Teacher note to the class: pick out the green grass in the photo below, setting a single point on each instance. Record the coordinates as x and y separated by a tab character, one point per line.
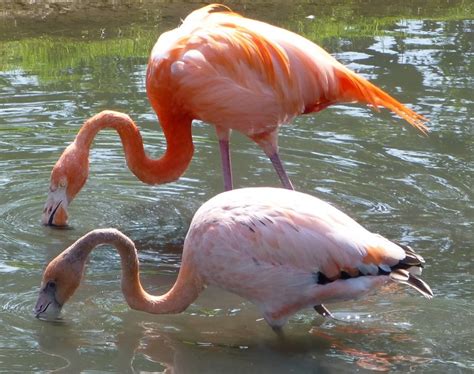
52	57
346	23
60	58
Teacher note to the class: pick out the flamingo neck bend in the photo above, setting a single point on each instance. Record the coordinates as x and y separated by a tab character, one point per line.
185	290
168	168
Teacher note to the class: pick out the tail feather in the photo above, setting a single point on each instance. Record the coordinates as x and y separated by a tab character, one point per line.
406	271
412	258
403	276
354	87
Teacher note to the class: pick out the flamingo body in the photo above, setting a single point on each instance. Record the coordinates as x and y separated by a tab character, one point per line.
241	74
280	249
234	73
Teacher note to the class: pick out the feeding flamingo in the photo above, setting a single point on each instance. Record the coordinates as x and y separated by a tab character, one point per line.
232	72
283	250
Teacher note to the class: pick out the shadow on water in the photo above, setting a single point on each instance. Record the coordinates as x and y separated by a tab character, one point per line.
60	63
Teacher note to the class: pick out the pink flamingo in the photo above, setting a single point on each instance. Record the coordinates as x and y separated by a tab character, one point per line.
229	71
283	250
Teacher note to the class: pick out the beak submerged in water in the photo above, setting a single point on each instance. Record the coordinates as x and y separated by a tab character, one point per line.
55	209
47	307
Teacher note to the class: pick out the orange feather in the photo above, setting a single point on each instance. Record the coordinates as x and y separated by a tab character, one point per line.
236	74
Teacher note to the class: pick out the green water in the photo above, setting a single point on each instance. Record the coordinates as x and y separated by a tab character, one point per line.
60	65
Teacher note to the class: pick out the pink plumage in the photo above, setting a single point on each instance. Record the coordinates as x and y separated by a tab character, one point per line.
229	71
286	250
245	75
283	250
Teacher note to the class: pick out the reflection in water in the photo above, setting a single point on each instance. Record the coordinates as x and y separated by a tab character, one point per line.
343	347
415	189
152	346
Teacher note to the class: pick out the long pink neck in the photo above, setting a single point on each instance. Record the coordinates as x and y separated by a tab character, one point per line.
185	290
168	168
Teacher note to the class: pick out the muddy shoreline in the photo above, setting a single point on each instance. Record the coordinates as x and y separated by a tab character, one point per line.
83	9
73	18
24	18
19	18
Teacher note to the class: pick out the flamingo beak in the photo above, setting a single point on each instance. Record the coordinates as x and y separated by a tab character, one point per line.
55	209
47	307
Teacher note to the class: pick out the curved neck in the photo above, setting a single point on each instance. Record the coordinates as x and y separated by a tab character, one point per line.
173	163
185	290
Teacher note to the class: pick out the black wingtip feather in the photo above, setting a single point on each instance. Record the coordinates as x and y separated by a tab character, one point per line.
401	271
420	285
403	276
412	258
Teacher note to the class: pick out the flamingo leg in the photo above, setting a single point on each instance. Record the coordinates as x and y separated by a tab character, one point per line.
268	141
278	330
226	164
223	134
323	311
280	169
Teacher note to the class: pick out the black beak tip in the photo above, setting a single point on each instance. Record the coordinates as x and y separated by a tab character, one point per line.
37	312
57	227
51	216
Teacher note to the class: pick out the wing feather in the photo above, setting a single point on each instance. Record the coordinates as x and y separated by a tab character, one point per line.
222	62
284	249
280	227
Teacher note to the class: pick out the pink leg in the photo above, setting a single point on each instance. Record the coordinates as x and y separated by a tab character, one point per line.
285	181
223	134
269	143
226	164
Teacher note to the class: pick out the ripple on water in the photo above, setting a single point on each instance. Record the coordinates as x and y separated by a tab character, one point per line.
414	191
417	157
21	213
4	268
19	304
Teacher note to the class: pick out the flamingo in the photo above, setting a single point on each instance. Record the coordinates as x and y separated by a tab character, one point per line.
282	250
229	71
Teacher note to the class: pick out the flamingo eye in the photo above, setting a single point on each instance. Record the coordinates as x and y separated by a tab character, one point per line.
62	184
50	286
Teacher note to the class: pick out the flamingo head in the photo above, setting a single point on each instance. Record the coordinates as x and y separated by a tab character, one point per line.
67	178
60	280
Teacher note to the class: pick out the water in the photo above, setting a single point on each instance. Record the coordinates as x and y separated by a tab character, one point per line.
407	187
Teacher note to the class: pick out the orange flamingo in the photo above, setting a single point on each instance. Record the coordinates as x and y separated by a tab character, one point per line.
283	250
232	72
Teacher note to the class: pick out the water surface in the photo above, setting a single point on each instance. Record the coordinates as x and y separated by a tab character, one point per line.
58	67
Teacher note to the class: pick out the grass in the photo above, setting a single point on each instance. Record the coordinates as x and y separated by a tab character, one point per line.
53	57
60	58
